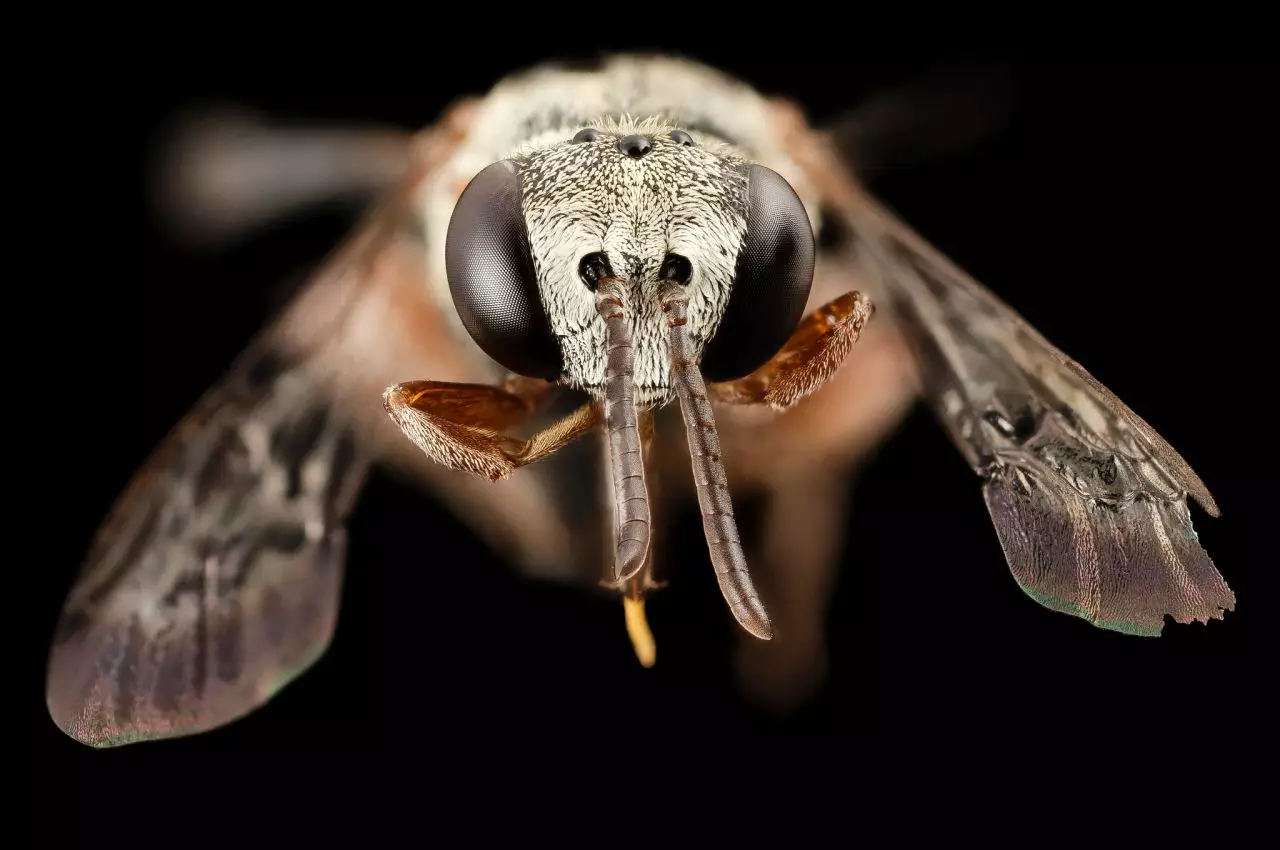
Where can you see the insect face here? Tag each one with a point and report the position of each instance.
(533, 237)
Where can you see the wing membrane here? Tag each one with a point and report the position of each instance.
(216, 578)
(1090, 503)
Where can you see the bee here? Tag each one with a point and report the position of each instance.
(628, 250)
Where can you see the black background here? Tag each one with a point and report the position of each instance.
(1122, 211)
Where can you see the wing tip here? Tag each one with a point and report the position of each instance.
(75, 701)
(1206, 502)
(1074, 609)
(1128, 627)
(77, 724)
(281, 678)
(1132, 601)
(82, 719)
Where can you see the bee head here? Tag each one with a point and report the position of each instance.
(532, 237)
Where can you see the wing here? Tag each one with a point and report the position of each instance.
(223, 172)
(216, 577)
(1089, 502)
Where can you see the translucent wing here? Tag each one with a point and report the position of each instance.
(216, 578)
(1089, 502)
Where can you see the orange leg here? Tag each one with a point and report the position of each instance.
(812, 355)
(461, 425)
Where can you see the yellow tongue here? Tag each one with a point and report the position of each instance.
(638, 631)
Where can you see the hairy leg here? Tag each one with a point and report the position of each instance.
(460, 426)
(811, 356)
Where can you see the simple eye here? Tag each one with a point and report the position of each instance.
(682, 137)
(677, 268)
(593, 267)
(590, 134)
(491, 277)
(774, 275)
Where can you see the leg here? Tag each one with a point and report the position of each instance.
(460, 425)
(812, 355)
(799, 551)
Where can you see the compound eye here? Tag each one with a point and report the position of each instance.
(491, 276)
(771, 287)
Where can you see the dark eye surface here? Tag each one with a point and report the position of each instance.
(593, 268)
(774, 276)
(491, 277)
(677, 268)
(588, 135)
(682, 137)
